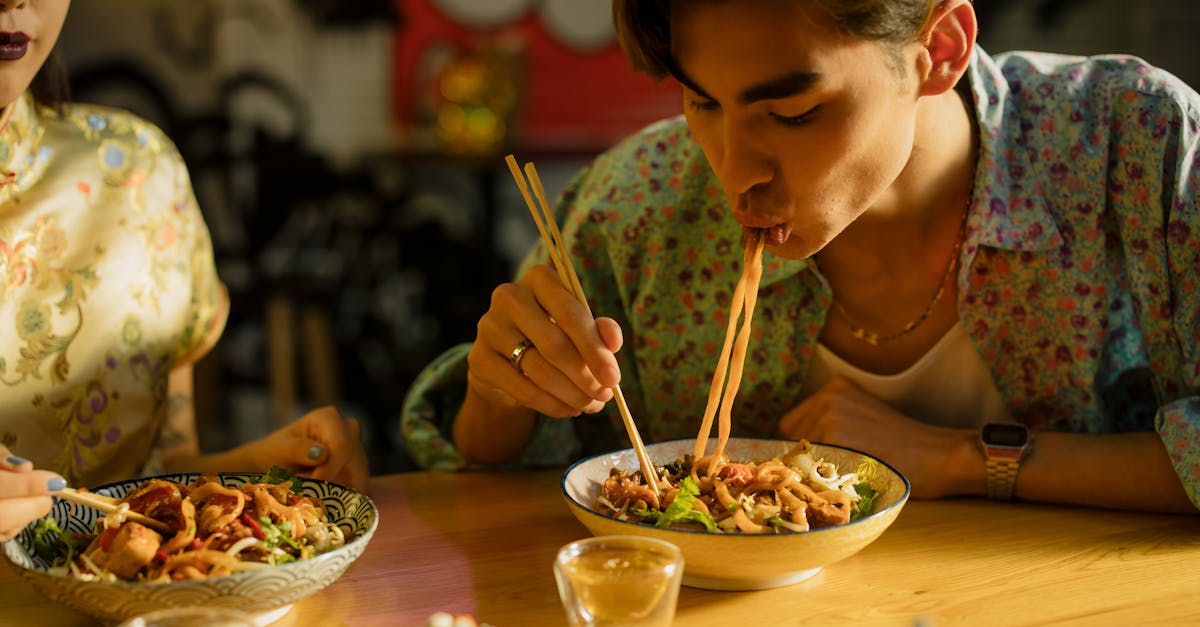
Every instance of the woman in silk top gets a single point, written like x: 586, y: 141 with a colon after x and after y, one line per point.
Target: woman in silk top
x: 108, y: 296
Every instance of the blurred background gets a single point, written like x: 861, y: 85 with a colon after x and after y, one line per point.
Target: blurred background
x: 348, y: 157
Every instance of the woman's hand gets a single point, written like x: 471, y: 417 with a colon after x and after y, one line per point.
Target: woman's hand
x: 570, y: 366
x: 322, y: 444
x: 24, y: 493
x: 938, y: 461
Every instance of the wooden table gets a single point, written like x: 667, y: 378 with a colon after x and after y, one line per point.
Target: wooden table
x: 483, y: 544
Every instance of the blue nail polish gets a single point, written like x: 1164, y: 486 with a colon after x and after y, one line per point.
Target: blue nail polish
x: 13, y: 460
x: 56, y: 484
x: 315, y: 452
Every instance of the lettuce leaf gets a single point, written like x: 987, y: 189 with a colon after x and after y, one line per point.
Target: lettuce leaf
x: 681, y: 509
x: 278, y: 536
x: 53, y: 544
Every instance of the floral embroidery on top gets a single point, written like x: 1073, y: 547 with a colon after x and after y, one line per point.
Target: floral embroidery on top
x: 106, y: 280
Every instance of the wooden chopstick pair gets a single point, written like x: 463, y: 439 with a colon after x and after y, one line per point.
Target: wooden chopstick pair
x: 108, y: 505
x: 552, y: 239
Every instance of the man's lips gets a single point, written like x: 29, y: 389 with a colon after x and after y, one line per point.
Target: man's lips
x: 778, y: 231
x: 13, y: 46
x: 779, y: 234
x: 756, y: 220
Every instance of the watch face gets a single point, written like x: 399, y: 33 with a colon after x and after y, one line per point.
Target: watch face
x: 1005, y: 434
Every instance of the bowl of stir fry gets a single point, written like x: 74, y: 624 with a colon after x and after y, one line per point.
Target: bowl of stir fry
x: 767, y: 513
x: 255, y: 543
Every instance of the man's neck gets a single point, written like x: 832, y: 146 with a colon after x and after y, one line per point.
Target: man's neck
x: 919, y: 215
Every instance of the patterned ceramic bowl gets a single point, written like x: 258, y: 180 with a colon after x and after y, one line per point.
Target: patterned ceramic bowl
x: 266, y: 593
x: 739, y: 561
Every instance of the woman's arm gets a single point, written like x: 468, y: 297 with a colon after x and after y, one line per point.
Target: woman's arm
x: 177, y: 441
x: 322, y: 443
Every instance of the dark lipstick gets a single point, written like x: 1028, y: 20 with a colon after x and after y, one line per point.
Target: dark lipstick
x: 13, y: 46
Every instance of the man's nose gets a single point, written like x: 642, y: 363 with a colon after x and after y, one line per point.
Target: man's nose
x: 745, y: 162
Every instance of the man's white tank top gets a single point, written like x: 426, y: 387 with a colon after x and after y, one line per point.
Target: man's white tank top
x: 949, y: 386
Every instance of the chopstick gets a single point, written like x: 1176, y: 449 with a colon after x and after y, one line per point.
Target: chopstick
x: 108, y: 505
x: 566, y: 273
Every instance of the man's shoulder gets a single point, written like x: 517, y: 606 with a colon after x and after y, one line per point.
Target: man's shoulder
x: 667, y: 139
x: 654, y: 183
x: 1040, y: 80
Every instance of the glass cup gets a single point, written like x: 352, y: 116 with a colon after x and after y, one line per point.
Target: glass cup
x: 611, y: 581
x: 192, y: 617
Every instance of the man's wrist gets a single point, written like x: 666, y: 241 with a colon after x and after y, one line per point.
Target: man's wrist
x: 486, y: 433
x: 1004, y: 446
x: 969, y: 476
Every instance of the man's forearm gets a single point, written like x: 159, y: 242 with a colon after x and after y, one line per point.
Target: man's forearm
x: 1123, y: 471
x: 487, y: 434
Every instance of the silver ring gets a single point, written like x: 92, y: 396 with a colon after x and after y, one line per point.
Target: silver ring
x: 519, y: 352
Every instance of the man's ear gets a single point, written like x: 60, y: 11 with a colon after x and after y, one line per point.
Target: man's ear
x: 947, y: 42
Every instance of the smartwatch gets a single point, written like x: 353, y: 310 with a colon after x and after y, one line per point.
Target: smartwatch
x: 1004, y: 445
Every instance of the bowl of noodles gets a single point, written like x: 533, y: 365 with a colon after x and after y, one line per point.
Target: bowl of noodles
x: 772, y: 513
x: 249, y: 542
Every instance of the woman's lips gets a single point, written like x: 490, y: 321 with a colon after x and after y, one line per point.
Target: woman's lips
x: 13, y: 46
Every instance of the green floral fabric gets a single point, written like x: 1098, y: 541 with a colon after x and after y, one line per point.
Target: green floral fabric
x: 1078, y: 279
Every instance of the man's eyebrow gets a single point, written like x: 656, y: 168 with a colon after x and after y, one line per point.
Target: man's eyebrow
x: 785, y: 86
x: 687, y: 81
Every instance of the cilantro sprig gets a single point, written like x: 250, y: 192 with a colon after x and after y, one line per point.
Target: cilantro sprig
x: 867, y: 496
x: 279, y: 474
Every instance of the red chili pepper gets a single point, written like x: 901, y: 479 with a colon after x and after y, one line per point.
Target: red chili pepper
x: 255, y: 528
x: 162, y: 557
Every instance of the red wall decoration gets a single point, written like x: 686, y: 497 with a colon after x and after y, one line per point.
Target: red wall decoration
x: 567, y: 101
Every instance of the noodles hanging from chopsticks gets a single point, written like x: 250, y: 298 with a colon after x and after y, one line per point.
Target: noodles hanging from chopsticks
x: 745, y: 295
x: 792, y: 492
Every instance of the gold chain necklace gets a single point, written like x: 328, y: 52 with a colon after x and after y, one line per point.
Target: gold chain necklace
x: 873, y: 338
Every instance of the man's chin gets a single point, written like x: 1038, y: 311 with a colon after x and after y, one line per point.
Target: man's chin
x: 793, y: 249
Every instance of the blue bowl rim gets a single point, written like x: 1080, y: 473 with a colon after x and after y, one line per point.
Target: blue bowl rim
x: 365, y: 536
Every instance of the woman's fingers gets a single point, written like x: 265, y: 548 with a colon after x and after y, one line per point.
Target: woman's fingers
x: 31, y: 483
x: 342, y: 455
x: 17, y: 513
x: 24, y: 494
x: 13, y: 462
x: 354, y: 472
x: 321, y: 444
